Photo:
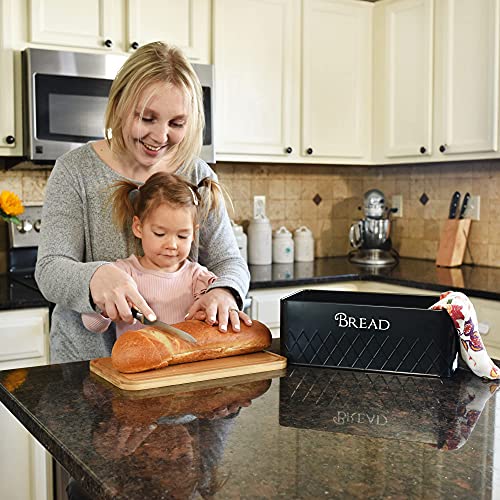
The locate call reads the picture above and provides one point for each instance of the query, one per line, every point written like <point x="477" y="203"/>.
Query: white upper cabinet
<point x="185" y="23"/>
<point x="467" y="83"/>
<point x="403" y="89"/>
<point x="274" y="105"/>
<point x="73" y="24"/>
<point x="436" y="80"/>
<point x="336" y="79"/>
<point x="123" y="25"/>
<point x="10" y="124"/>
<point x="256" y="57"/>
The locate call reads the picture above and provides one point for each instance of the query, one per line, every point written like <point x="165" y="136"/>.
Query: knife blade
<point x="162" y="326"/>
<point x="454" y="205"/>
<point x="464" y="206"/>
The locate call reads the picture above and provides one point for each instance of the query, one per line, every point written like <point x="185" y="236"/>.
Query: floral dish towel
<point x="472" y="349"/>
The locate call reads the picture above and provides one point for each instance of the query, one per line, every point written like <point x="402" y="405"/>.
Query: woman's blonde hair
<point x="153" y="63"/>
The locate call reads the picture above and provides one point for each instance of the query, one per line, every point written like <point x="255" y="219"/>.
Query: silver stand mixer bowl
<point x="371" y="236"/>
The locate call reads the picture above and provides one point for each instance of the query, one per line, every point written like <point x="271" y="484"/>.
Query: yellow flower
<point x="15" y="379"/>
<point x="10" y="203"/>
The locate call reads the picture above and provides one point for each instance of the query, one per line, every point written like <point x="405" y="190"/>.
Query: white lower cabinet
<point x="25" y="466"/>
<point x="266" y="306"/>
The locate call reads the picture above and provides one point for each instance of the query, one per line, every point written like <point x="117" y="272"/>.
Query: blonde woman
<point x="154" y="122"/>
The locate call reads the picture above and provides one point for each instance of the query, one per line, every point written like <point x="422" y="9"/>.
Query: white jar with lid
<point x="260" y="235"/>
<point x="282" y="246"/>
<point x="304" y="244"/>
<point x="241" y="239"/>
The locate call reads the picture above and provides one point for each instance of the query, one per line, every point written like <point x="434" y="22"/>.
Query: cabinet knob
<point x="25" y="226"/>
<point x="134" y="45"/>
<point x="10" y="139"/>
<point x="442" y="148"/>
<point x="309" y="151"/>
<point x="423" y="150"/>
<point x="288" y="150"/>
<point x="108" y="43"/>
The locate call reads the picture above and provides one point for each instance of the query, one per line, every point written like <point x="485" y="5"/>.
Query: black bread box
<point x="368" y="331"/>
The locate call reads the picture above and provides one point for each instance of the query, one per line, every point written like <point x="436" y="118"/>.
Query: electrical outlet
<point x="473" y="209"/>
<point x="259" y="206"/>
<point x="397" y="202"/>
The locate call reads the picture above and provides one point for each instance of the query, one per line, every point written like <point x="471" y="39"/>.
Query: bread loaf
<point x="143" y="411"/>
<point x="150" y="348"/>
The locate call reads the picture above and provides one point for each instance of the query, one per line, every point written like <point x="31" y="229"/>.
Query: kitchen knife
<point x="162" y="326"/>
<point x="454" y="205"/>
<point x="465" y="204"/>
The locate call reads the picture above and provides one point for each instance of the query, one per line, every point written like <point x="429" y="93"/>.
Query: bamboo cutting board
<point x="186" y="373"/>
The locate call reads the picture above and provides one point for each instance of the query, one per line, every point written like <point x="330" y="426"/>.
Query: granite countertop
<point x="309" y="433"/>
<point x="476" y="281"/>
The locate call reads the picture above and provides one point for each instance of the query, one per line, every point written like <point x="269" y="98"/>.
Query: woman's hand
<point x="114" y="439"/>
<point x="218" y="306"/>
<point x="114" y="291"/>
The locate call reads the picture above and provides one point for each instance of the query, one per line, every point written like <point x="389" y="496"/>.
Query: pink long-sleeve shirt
<point x="170" y="295"/>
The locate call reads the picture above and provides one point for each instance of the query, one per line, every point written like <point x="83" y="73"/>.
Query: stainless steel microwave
<point x="65" y="96"/>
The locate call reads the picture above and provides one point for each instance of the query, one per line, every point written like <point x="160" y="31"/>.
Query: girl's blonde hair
<point x="152" y="63"/>
<point x="162" y="188"/>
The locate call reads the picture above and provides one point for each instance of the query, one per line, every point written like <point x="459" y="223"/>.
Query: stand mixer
<point x="370" y="236"/>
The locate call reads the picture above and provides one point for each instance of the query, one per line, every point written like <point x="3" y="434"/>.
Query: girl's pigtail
<point x="212" y="197"/>
<point x="125" y="199"/>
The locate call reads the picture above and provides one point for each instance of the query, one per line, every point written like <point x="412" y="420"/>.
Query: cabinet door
<point x="10" y="128"/>
<point x="87" y="24"/>
<point x="336" y="78"/>
<point x="467" y="82"/>
<point x="407" y="79"/>
<point x="25" y="466"/>
<point x="256" y="56"/>
<point x="185" y="23"/>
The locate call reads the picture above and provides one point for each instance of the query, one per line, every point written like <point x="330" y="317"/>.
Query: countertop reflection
<point x="478" y="281"/>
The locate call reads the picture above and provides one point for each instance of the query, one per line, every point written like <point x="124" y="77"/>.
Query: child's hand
<point x="113" y="291"/>
<point x="220" y="308"/>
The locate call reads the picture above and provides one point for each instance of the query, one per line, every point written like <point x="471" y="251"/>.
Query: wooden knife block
<point x="453" y="242"/>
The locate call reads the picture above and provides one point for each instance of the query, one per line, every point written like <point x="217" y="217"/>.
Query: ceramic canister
<point x="241" y="239"/>
<point x="282" y="246"/>
<point x="304" y="244"/>
<point x="260" y="241"/>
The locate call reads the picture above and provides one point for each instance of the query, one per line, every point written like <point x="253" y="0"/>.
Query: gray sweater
<point x="78" y="236"/>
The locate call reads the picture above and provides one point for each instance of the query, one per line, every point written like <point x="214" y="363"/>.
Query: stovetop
<point x="18" y="288"/>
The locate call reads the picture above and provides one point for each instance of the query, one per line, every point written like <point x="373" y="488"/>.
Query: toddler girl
<point x="163" y="215"/>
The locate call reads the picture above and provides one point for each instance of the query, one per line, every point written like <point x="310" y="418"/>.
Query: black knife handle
<point x="454" y="205"/>
<point x="137" y="315"/>
<point x="464" y="206"/>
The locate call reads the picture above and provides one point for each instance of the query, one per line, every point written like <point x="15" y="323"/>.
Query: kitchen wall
<point x="290" y="191"/>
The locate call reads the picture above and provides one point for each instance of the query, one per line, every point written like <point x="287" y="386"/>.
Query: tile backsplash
<point x="290" y="191"/>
